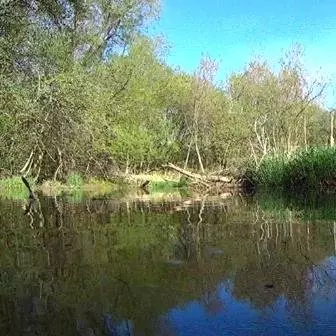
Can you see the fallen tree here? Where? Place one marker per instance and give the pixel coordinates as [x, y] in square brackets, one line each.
[209, 181]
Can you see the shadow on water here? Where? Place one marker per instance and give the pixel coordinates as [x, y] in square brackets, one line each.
[262, 265]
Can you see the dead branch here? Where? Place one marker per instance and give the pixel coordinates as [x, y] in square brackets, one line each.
[205, 180]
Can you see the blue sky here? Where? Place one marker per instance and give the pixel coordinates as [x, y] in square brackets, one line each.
[236, 31]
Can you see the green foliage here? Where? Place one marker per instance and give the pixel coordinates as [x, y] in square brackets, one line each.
[75, 181]
[14, 188]
[84, 90]
[314, 168]
[164, 186]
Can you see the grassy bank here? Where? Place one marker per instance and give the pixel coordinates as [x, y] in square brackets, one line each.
[311, 169]
[76, 187]
[14, 188]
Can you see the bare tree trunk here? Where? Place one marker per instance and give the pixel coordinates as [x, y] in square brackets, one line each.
[275, 144]
[263, 140]
[332, 140]
[188, 154]
[59, 165]
[199, 157]
[127, 165]
[289, 147]
[305, 132]
[199, 177]
[28, 162]
[254, 155]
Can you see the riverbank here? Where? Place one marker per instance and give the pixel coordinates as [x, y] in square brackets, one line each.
[312, 169]
[78, 187]
[162, 181]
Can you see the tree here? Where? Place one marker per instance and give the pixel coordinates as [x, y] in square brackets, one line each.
[136, 132]
[275, 108]
[50, 52]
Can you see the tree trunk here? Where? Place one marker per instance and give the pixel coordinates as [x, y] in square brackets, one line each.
[332, 140]
[127, 165]
[199, 177]
[289, 147]
[305, 132]
[188, 154]
[199, 157]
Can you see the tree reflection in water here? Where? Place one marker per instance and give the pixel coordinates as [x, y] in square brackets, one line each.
[203, 267]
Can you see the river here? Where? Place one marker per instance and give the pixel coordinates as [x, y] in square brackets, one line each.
[261, 265]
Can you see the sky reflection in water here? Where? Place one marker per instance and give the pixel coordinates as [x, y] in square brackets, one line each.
[256, 266]
[235, 317]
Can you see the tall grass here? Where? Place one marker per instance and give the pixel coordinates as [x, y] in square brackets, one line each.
[75, 181]
[271, 172]
[314, 168]
[14, 188]
[167, 186]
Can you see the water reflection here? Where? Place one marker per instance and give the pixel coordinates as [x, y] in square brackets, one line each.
[206, 267]
[314, 314]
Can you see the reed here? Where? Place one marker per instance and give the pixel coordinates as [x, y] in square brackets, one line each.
[314, 168]
[14, 188]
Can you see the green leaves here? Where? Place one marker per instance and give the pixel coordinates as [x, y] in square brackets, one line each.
[83, 90]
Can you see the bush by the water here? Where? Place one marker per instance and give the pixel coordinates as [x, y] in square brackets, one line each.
[314, 168]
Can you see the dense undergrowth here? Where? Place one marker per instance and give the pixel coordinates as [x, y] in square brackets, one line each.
[314, 168]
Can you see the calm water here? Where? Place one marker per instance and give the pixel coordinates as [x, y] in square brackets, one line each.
[239, 266]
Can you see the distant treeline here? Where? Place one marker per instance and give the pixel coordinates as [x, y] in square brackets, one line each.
[83, 89]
